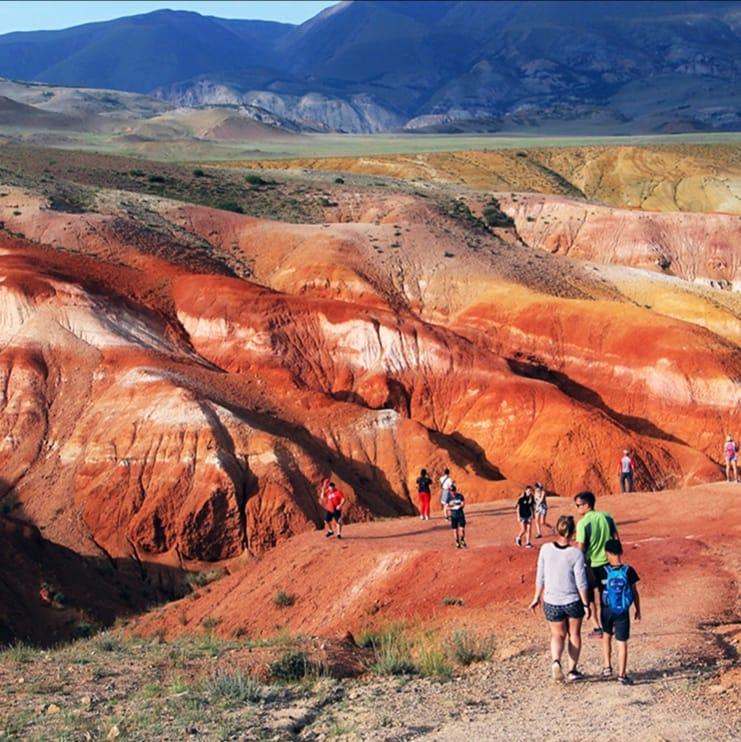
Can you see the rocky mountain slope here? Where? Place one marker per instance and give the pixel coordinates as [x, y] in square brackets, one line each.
[177, 378]
[445, 66]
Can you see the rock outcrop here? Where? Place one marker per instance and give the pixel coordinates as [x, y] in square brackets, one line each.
[157, 408]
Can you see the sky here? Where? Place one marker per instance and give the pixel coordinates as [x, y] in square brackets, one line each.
[37, 15]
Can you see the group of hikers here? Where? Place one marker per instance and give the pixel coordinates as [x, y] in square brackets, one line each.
[580, 575]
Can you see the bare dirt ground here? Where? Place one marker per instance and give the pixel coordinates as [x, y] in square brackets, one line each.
[684, 654]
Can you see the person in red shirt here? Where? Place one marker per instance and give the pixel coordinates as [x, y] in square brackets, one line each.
[332, 500]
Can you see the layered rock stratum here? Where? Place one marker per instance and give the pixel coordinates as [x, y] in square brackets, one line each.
[177, 379]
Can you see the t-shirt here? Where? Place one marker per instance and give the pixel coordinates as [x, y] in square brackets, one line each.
[445, 484]
[539, 496]
[525, 506]
[626, 465]
[594, 530]
[423, 484]
[632, 576]
[456, 501]
[561, 572]
[333, 499]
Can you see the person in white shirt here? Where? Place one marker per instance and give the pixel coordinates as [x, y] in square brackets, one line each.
[561, 583]
[446, 485]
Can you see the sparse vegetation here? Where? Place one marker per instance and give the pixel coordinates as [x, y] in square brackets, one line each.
[467, 647]
[230, 206]
[195, 580]
[495, 217]
[283, 599]
[232, 687]
[291, 666]
[393, 654]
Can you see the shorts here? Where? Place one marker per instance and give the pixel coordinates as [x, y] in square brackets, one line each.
[618, 625]
[562, 612]
[445, 498]
[525, 521]
[732, 459]
[330, 516]
[595, 577]
[457, 519]
[541, 509]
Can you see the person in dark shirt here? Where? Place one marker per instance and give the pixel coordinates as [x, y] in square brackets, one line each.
[457, 517]
[614, 621]
[423, 490]
[525, 508]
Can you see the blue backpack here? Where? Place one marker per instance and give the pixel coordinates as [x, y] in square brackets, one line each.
[618, 594]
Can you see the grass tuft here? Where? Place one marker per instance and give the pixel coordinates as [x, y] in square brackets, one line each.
[283, 599]
[232, 687]
[467, 648]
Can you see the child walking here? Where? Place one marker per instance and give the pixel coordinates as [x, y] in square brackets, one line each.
[525, 506]
[457, 516]
[619, 592]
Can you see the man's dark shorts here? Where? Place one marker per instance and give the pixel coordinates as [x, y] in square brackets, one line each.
[596, 577]
[562, 612]
[457, 519]
[618, 625]
[329, 517]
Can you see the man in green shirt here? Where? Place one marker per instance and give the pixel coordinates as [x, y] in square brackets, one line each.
[592, 533]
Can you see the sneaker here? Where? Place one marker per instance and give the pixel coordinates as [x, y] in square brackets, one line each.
[421, 517]
[458, 545]
[463, 543]
[595, 634]
[606, 672]
[339, 535]
[528, 546]
[538, 535]
[329, 534]
[574, 675]
[624, 680]
[556, 671]
[518, 542]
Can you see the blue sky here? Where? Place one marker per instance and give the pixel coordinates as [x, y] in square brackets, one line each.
[48, 14]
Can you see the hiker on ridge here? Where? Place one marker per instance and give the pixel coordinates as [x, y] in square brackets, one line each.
[332, 500]
[423, 490]
[592, 533]
[446, 484]
[561, 582]
[525, 508]
[541, 511]
[730, 453]
[626, 471]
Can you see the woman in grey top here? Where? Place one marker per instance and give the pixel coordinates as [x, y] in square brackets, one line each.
[561, 582]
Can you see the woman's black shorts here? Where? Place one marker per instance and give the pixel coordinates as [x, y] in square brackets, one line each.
[329, 516]
[562, 612]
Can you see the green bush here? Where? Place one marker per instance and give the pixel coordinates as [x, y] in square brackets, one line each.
[431, 659]
[291, 666]
[255, 180]
[495, 217]
[198, 579]
[230, 206]
[157, 179]
[339, 181]
[232, 687]
[393, 654]
[283, 599]
[198, 173]
[467, 648]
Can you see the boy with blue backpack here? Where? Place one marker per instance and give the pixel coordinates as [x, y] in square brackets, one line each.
[618, 593]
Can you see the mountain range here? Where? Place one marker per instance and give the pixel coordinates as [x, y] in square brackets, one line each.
[373, 66]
